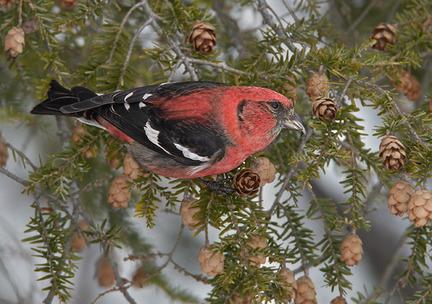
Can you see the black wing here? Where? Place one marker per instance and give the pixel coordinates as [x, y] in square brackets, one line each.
[189, 143]
[138, 95]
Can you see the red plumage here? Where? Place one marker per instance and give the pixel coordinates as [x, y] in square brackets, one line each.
[183, 130]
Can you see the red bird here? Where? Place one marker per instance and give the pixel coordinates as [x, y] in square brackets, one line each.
[183, 129]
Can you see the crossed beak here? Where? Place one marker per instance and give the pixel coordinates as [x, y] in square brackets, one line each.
[293, 121]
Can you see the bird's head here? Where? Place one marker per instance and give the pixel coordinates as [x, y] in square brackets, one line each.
[264, 113]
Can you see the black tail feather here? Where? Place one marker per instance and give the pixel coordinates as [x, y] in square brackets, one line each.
[59, 96]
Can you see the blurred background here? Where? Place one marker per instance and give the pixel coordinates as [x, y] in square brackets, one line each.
[353, 20]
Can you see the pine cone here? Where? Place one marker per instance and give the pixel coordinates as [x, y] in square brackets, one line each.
[188, 212]
[30, 26]
[288, 282]
[112, 160]
[247, 182]
[384, 34]
[203, 37]
[420, 208]
[392, 152]
[91, 152]
[398, 197]
[257, 242]
[14, 41]
[131, 168]
[105, 272]
[430, 105]
[408, 85]
[211, 262]
[265, 169]
[119, 192]
[4, 154]
[351, 249]
[324, 108]
[338, 300]
[68, 4]
[78, 133]
[6, 4]
[78, 242]
[306, 293]
[240, 299]
[139, 278]
[317, 86]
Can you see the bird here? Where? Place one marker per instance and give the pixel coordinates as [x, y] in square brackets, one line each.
[185, 130]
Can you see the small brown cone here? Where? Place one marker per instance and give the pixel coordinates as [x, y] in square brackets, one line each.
[203, 37]
[139, 278]
[408, 85]
[430, 105]
[246, 182]
[257, 242]
[338, 300]
[392, 152]
[211, 262]
[188, 212]
[90, 152]
[78, 242]
[119, 192]
[317, 86]
[384, 34]
[324, 108]
[351, 249]
[105, 272]
[398, 197]
[78, 133]
[4, 154]
[420, 208]
[306, 293]
[68, 4]
[14, 42]
[131, 168]
[30, 26]
[240, 299]
[288, 282]
[427, 24]
[6, 4]
[265, 169]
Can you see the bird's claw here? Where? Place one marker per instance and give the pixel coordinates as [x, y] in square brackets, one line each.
[220, 186]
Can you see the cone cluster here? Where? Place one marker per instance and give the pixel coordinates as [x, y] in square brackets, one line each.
[3, 152]
[131, 168]
[324, 108]
[398, 197]
[203, 37]
[68, 4]
[246, 182]
[139, 278]
[119, 192]
[14, 42]
[317, 86]
[338, 300]
[288, 282]
[408, 85]
[306, 293]
[105, 272]
[351, 249]
[211, 262]
[188, 212]
[420, 208]
[384, 34]
[392, 152]
[265, 169]
[257, 242]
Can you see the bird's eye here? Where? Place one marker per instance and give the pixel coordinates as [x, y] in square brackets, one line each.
[275, 105]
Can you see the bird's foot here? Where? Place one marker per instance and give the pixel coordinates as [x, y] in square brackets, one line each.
[220, 186]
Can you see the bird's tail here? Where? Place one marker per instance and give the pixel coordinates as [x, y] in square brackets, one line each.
[58, 96]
